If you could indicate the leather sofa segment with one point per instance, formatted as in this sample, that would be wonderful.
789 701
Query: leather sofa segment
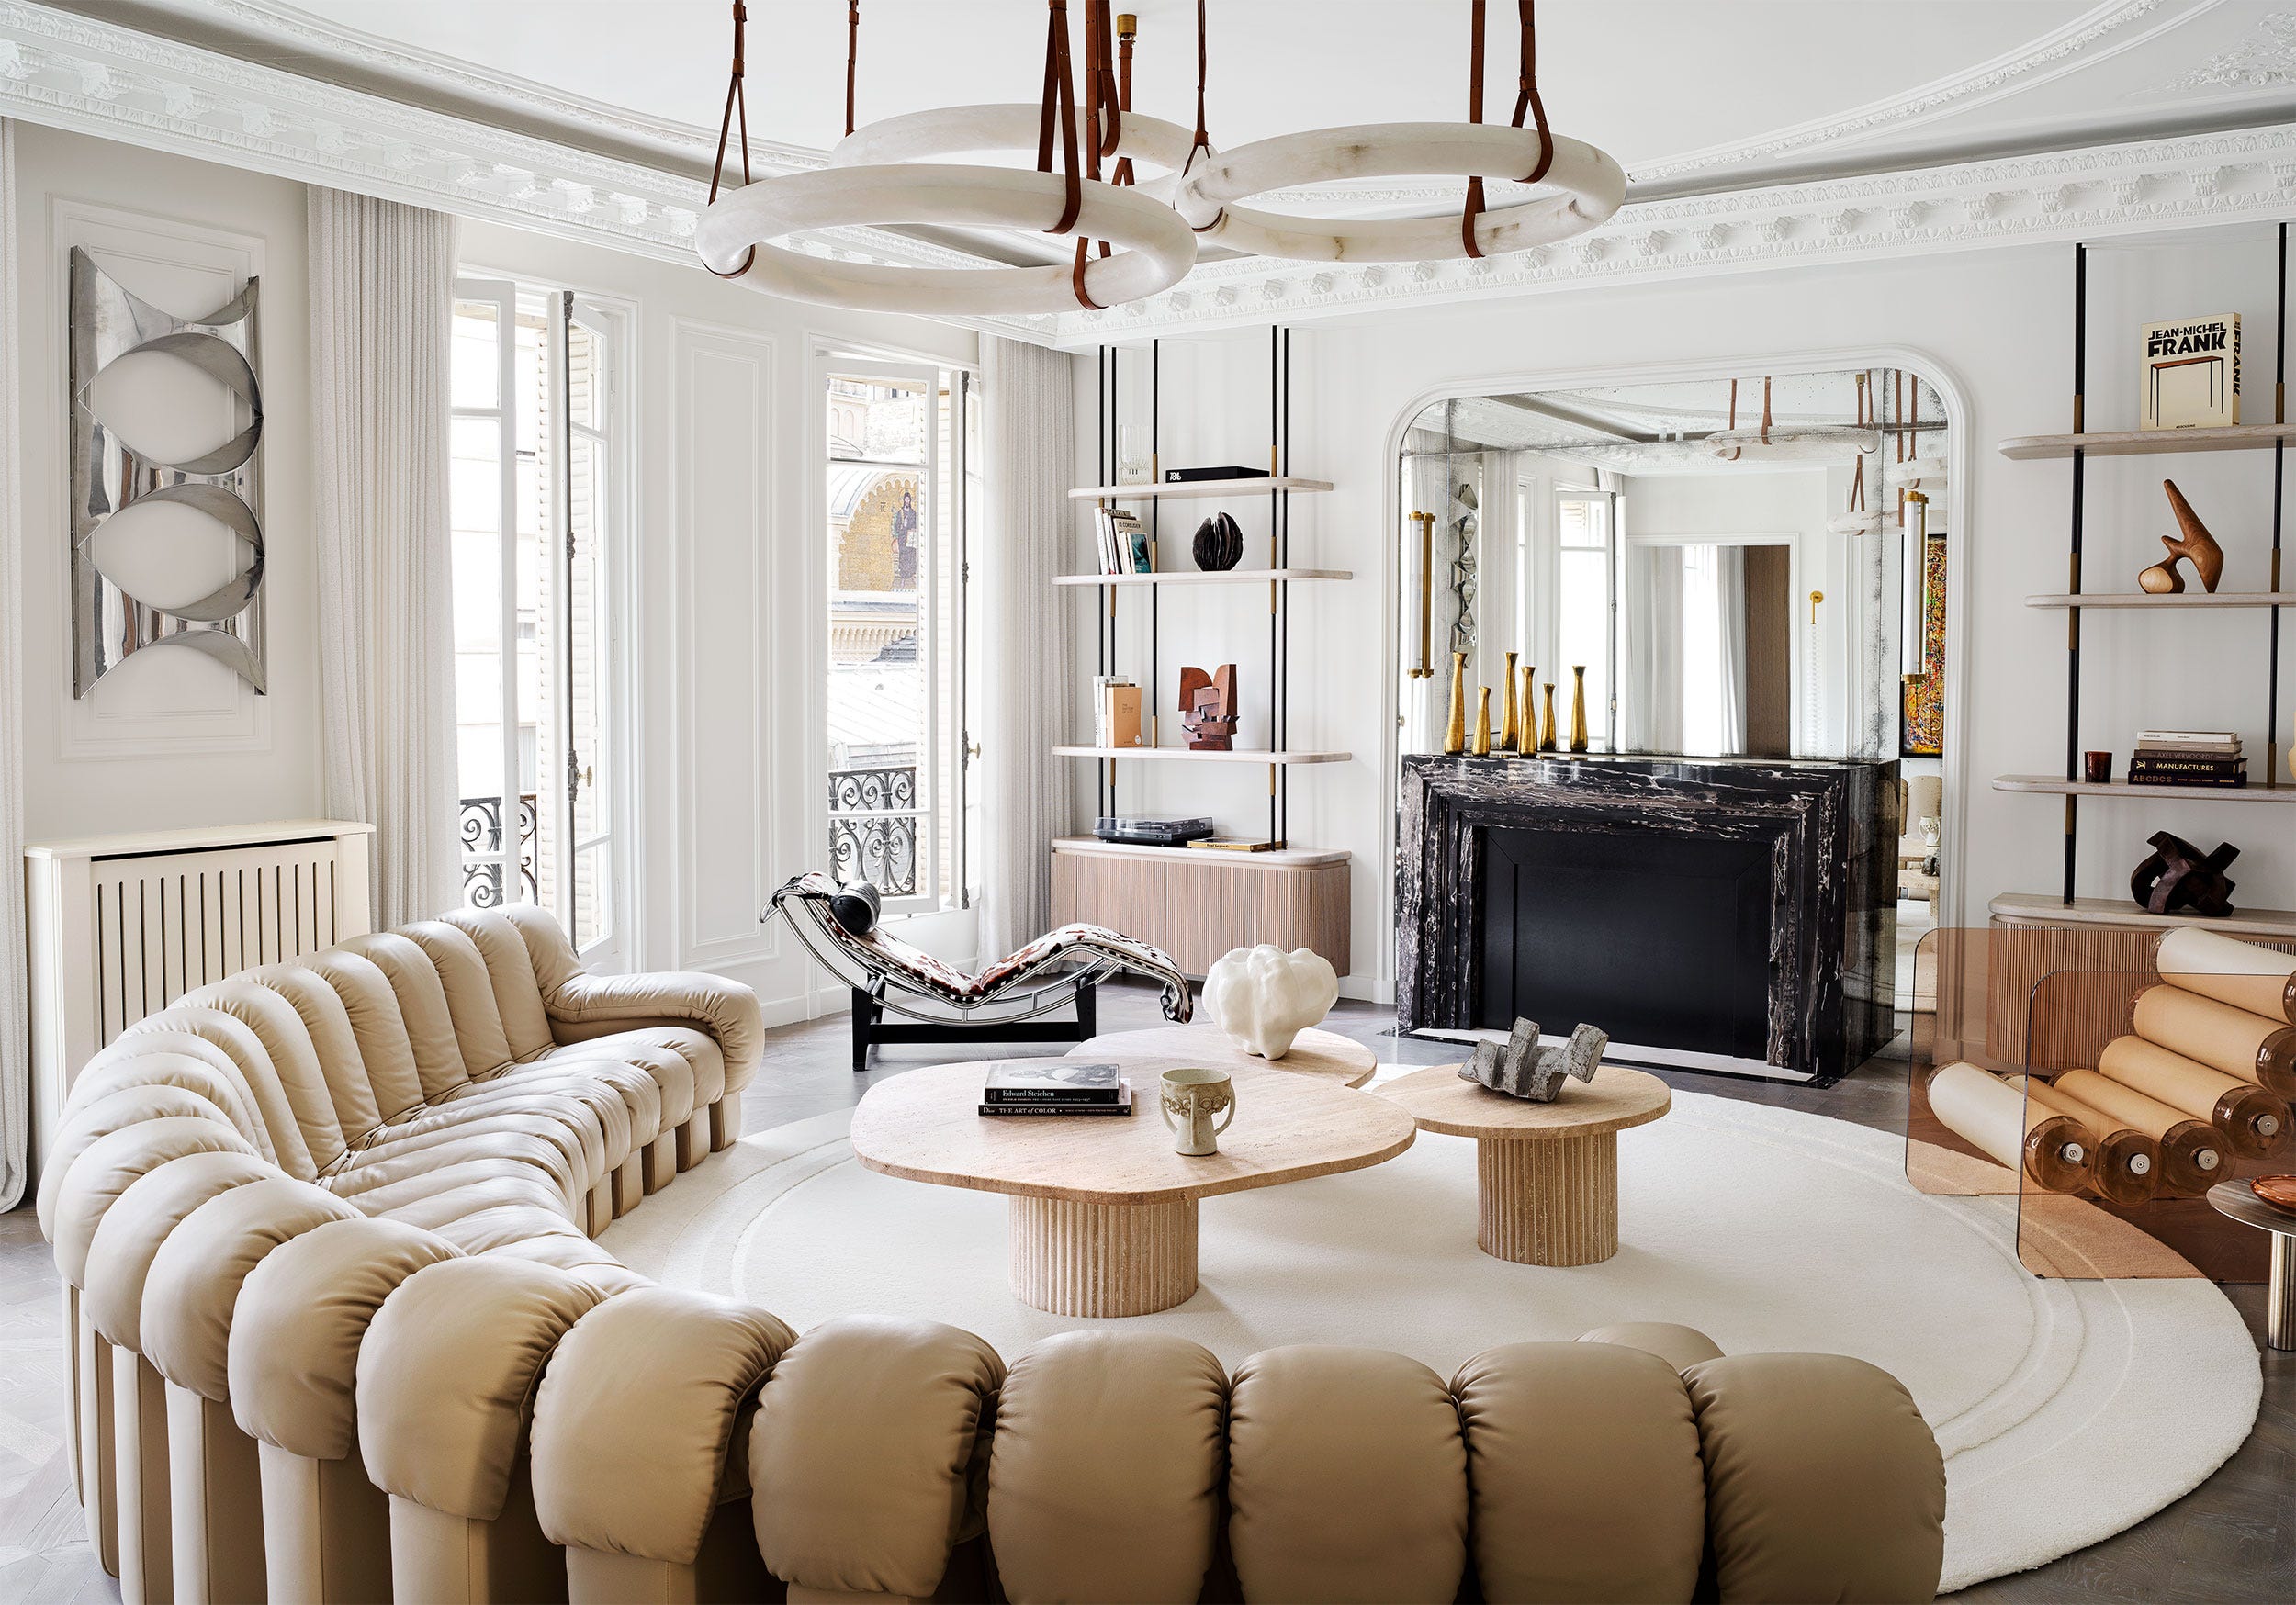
1584 1474
1109 1465
1681 1347
1823 1482
1346 1478
659 1382
868 1461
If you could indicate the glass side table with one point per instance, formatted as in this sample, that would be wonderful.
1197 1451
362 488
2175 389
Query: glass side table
2234 1199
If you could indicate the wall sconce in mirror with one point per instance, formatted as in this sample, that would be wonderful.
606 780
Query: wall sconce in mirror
167 542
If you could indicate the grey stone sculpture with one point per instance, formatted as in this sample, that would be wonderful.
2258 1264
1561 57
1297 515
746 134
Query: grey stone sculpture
1521 1069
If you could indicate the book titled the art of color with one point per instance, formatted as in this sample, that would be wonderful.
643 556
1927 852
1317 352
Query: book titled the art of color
2191 373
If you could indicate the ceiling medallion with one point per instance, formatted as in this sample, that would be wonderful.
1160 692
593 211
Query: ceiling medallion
1133 240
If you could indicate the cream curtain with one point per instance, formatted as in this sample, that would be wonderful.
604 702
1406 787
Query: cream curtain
1029 662
16 1047
382 300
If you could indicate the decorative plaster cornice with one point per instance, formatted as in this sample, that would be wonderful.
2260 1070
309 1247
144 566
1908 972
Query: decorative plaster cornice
2093 194
94 78
2265 60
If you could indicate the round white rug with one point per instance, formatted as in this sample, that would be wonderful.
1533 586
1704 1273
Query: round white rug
1765 1228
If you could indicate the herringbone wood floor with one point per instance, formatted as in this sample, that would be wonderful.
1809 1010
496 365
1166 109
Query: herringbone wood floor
2231 1539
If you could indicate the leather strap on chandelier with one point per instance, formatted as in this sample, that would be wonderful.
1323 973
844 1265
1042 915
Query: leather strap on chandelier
1060 92
1738 451
1527 100
852 56
1200 143
1104 126
736 105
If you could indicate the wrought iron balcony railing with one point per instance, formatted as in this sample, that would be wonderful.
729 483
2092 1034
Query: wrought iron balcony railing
484 857
872 827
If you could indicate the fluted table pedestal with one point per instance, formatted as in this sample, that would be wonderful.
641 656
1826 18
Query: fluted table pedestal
1546 1174
1070 1258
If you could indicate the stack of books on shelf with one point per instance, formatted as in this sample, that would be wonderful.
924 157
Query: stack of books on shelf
1123 541
2188 757
1055 1086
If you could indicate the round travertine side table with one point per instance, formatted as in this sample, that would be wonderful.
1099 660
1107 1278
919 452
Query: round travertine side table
1546 1174
2235 1199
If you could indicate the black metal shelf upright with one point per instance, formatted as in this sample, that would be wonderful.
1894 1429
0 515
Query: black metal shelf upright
2073 763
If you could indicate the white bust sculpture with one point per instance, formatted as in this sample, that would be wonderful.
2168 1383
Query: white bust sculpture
1263 997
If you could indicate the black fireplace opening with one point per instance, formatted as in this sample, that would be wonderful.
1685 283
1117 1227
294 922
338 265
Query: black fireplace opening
1662 941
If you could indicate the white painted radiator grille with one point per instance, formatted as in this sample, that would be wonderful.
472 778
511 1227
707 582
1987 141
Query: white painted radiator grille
166 924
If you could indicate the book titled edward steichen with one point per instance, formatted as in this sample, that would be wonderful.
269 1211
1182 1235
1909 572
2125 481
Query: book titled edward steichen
2191 373
1067 1082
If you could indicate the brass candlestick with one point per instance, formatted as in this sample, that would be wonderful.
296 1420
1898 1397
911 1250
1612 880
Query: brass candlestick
1526 729
1506 722
1455 734
1482 726
1578 707
1546 717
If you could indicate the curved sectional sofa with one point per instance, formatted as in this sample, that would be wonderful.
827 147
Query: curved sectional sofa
339 1333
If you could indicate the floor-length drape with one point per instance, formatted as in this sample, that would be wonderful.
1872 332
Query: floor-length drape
16 1047
1730 632
382 302
1028 664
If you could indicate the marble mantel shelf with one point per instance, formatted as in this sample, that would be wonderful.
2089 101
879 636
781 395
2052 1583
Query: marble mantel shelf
1829 825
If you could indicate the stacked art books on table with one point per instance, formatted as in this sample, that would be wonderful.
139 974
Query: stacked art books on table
2188 757
1055 1086
1123 541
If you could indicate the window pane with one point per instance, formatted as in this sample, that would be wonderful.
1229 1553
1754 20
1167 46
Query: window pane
586 377
474 373
475 493
878 420
586 626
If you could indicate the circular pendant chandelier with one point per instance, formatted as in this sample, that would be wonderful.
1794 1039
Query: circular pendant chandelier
1133 240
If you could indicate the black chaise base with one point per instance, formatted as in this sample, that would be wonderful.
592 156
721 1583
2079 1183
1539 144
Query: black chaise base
871 1028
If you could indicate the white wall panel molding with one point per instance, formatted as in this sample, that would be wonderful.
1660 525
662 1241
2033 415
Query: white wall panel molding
94 78
725 487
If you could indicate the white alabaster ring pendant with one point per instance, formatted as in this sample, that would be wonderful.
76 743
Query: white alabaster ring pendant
1589 184
981 130
1856 523
1914 470
1795 443
1154 252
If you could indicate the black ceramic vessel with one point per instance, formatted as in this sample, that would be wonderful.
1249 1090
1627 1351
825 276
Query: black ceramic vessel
1219 544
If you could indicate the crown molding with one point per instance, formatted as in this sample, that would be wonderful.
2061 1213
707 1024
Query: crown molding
94 78
2132 188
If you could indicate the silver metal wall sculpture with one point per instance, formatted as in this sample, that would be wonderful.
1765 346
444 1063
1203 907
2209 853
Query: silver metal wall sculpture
166 456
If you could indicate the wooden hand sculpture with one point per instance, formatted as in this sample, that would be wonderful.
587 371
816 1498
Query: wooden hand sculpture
2164 579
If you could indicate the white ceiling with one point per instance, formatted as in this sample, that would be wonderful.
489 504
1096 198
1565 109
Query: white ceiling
1687 94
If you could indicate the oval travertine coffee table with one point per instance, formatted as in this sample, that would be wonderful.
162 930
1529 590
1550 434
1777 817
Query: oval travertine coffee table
1546 1174
1103 1211
1314 1051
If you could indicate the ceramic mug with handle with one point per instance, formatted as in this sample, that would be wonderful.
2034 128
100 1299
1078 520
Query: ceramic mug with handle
1190 1098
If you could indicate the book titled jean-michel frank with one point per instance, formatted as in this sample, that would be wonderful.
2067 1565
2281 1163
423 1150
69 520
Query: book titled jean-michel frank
2191 377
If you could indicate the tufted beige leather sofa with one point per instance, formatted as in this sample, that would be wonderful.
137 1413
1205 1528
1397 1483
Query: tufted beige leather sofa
339 1333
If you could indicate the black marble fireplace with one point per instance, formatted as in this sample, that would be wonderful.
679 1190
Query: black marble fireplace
1738 908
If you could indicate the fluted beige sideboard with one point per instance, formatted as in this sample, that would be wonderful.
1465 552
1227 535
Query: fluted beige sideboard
1197 903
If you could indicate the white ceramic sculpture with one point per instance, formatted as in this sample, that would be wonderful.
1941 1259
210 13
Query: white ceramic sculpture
1263 997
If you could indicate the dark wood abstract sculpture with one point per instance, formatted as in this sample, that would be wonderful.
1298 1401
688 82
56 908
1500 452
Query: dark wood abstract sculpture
2178 876
1207 708
1520 1068
2164 577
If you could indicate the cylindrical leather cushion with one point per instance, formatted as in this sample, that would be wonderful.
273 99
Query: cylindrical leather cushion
1681 1347
294 1350
129 1238
115 1161
175 1059
239 1041
862 1462
1346 1478
1583 1459
85 1125
446 1380
196 1276
2260 979
653 1383
1823 1482
1104 1478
